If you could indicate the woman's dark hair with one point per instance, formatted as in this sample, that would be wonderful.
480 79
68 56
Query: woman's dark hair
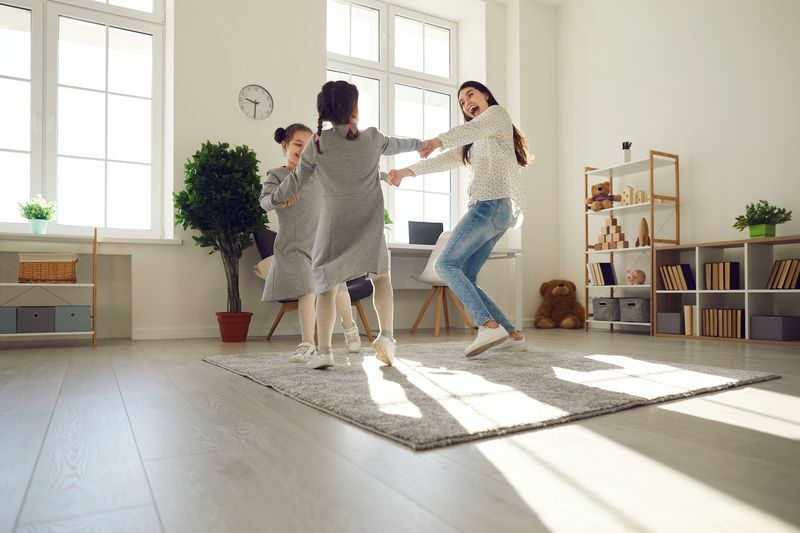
520 145
335 104
287 134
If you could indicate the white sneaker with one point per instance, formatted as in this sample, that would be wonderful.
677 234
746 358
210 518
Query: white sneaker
303 352
512 345
352 339
320 361
385 349
486 338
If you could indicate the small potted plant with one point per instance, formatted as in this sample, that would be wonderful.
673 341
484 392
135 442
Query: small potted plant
762 218
387 221
221 202
38 212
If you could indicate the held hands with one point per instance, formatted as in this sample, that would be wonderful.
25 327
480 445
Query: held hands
396 176
290 201
430 146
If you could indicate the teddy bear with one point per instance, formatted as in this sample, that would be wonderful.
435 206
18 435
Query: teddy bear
601 197
561 308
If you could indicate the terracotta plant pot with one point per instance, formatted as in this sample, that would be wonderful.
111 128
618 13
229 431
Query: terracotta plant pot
233 326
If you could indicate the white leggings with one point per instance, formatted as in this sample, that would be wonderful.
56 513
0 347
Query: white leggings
308 316
383 299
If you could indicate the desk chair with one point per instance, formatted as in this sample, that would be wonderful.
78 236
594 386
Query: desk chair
439 290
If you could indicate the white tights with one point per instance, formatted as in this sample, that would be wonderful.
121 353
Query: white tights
308 315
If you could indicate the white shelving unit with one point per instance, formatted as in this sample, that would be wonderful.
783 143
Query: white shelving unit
755 258
634 173
60 241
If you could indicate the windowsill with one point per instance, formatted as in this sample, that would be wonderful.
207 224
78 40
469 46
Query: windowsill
86 238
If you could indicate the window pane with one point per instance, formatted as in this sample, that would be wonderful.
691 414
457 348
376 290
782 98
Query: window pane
81 192
15 114
130 62
437 209
15 42
129 129
437 114
408 111
408 43
81 54
369 101
81 122
338 27
15 182
412 182
128 196
364 42
138 5
437 51
335 75
408 205
438 182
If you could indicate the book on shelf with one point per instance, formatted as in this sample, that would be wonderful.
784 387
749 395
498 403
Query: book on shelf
785 274
688 319
677 277
724 323
722 276
601 274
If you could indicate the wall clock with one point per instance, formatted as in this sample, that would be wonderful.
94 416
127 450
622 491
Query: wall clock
255 102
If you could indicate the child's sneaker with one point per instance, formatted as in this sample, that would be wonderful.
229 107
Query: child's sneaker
352 339
303 352
512 345
320 361
486 338
385 349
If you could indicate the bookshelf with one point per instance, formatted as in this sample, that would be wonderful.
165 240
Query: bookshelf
658 175
755 258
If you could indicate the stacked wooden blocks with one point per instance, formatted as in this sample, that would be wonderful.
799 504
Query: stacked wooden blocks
611 236
631 196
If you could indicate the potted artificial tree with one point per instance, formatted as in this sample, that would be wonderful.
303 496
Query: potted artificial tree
221 202
762 218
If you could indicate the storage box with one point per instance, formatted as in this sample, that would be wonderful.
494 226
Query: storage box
634 309
73 318
605 308
670 323
36 319
8 319
775 328
47 268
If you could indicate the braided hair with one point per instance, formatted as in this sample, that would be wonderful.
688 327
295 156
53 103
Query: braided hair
335 104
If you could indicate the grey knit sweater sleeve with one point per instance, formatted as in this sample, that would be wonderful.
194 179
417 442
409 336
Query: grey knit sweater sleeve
294 181
397 145
268 187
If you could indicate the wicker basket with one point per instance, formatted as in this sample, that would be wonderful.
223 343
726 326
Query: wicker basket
47 268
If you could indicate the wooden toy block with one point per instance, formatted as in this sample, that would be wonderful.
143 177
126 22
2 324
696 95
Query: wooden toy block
641 197
615 230
627 195
624 244
617 237
611 221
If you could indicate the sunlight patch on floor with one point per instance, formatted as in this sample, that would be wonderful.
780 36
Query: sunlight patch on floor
388 396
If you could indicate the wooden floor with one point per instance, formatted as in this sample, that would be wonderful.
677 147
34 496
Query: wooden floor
144 436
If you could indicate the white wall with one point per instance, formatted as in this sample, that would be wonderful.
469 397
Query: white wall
714 81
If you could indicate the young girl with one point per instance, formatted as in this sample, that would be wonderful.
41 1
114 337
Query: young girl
349 241
494 150
290 275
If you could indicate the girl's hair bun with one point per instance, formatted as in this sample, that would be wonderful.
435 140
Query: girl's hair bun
280 135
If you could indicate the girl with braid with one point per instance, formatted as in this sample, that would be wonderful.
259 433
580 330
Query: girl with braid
349 241
290 274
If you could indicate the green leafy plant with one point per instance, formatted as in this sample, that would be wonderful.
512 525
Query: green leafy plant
221 202
387 221
762 213
37 209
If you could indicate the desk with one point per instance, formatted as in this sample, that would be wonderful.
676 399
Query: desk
397 250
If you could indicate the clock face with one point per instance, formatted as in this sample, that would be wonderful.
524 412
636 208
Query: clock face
255 102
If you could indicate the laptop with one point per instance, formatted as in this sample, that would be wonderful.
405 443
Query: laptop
424 232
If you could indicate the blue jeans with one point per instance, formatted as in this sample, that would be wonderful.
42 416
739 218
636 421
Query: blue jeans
467 250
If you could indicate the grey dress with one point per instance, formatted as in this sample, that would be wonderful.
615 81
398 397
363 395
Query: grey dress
349 241
290 274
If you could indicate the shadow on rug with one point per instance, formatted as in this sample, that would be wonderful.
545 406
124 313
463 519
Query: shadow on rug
434 396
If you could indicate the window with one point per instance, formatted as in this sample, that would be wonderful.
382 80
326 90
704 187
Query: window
410 95
94 131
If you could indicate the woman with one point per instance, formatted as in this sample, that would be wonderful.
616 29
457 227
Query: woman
493 150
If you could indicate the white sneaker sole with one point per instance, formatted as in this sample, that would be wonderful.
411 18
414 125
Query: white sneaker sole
320 365
475 350
383 355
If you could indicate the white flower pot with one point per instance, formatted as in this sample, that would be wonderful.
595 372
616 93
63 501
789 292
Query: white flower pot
38 226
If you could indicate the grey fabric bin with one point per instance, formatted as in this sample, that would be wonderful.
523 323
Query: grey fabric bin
670 323
605 308
73 318
775 328
634 309
36 319
8 319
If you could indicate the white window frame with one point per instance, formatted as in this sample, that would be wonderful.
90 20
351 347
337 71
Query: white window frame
44 66
389 75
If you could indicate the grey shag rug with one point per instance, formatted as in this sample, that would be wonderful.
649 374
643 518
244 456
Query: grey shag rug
435 397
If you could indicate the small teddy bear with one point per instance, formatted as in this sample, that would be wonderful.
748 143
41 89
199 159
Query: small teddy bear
601 199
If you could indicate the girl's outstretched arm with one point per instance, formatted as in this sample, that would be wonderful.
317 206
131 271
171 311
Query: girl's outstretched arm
294 181
398 145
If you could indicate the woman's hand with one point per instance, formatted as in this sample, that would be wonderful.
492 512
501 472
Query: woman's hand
430 146
290 201
396 176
